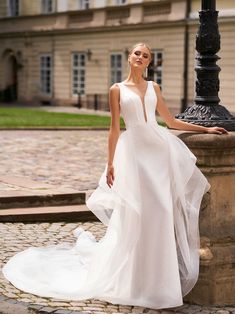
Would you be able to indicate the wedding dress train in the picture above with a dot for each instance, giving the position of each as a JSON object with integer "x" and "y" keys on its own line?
{"x": 149, "y": 255}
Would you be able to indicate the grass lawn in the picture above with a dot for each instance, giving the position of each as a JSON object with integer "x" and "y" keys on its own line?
{"x": 21, "y": 117}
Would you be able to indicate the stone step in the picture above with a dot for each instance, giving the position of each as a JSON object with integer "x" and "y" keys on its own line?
{"x": 70, "y": 213}
{"x": 53, "y": 198}
{"x": 18, "y": 192}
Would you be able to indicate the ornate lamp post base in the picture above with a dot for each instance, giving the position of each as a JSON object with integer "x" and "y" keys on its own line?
{"x": 206, "y": 111}
{"x": 209, "y": 115}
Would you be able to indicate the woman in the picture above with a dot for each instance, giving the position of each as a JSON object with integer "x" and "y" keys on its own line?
{"x": 149, "y": 197}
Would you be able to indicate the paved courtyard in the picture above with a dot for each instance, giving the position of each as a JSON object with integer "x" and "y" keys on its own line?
{"x": 66, "y": 158}
{"x": 70, "y": 159}
{"x": 18, "y": 236}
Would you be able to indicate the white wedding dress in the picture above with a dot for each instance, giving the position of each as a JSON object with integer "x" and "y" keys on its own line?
{"x": 149, "y": 255}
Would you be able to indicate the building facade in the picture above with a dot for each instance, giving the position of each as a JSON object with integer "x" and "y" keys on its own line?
{"x": 70, "y": 52}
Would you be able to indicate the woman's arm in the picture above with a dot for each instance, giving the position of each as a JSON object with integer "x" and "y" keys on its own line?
{"x": 174, "y": 123}
{"x": 114, "y": 131}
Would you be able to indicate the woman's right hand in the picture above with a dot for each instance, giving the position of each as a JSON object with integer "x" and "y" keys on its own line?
{"x": 110, "y": 175}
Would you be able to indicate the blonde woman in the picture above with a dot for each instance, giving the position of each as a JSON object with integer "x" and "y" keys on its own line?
{"x": 149, "y": 197}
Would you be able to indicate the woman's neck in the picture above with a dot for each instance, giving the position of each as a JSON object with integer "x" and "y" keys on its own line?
{"x": 135, "y": 77}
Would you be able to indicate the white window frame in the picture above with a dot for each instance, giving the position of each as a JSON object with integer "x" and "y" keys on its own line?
{"x": 46, "y": 71}
{"x": 120, "y": 2}
{"x": 83, "y": 4}
{"x": 47, "y": 6}
{"x": 13, "y": 7}
{"x": 156, "y": 60}
{"x": 78, "y": 66}
{"x": 62, "y": 5}
{"x": 114, "y": 71}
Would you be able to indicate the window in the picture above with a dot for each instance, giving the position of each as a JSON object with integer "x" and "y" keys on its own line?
{"x": 13, "y": 7}
{"x": 45, "y": 73}
{"x": 115, "y": 68}
{"x": 47, "y": 6}
{"x": 78, "y": 72}
{"x": 155, "y": 67}
{"x": 119, "y": 2}
{"x": 83, "y": 4}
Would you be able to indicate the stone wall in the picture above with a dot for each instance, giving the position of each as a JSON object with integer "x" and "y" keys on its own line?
{"x": 216, "y": 159}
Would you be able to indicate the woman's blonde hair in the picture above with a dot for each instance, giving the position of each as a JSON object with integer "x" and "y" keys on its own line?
{"x": 141, "y": 44}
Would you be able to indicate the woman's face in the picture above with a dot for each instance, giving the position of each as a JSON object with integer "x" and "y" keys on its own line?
{"x": 139, "y": 57}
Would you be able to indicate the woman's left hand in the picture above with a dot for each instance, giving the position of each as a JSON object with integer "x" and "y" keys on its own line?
{"x": 216, "y": 130}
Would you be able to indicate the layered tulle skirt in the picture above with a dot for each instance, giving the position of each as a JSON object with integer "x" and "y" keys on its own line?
{"x": 149, "y": 255}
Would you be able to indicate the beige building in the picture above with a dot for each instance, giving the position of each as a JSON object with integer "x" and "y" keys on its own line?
{"x": 57, "y": 51}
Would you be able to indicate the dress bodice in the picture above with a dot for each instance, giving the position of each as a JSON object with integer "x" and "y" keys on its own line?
{"x": 133, "y": 110}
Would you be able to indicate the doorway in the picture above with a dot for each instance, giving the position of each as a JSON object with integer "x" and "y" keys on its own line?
{"x": 10, "y": 87}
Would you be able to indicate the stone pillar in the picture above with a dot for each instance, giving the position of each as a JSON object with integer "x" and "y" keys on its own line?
{"x": 216, "y": 159}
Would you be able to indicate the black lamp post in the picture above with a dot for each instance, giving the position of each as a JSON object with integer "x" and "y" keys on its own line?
{"x": 206, "y": 110}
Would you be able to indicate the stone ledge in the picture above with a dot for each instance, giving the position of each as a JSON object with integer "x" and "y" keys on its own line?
{"x": 73, "y": 213}
{"x": 26, "y": 200}
{"x": 205, "y": 140}
{"x": 23, "y": 192}
{"x": 212, "y": 150}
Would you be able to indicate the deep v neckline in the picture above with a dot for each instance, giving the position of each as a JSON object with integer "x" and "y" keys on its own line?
{"x": 146, "y": 90}
{"x": 142, "y": 102}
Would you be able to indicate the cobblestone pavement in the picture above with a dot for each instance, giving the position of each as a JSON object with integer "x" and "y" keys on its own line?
{"x": 15, "y": 237}
{"x": 73, "y": 159}
{"x": 70, "y": 159}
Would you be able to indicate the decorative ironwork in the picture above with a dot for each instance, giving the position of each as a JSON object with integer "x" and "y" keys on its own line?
{"x": 206, "y": 110}
{"x": 117, "y": 13}
{"x": 208, "y": 37}
{"x": 157, "y": 9}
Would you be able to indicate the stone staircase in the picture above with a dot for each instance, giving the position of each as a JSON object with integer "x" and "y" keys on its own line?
{"x": 25, "y": 200}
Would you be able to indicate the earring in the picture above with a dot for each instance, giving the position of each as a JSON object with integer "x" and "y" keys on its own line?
{"x": 146, "y": 72}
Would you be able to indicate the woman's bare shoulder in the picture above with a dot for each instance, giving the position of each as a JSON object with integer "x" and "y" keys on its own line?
{"x": 155, "y": 84}
{"x": 114, "y": 92}
{"x": 114, "y": 88}
{"x": 156, "y": 87}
